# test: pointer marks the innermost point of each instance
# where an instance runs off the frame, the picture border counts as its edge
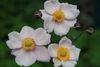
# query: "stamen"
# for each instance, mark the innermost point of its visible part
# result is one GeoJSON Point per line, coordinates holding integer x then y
{"type": "Point", "coordinates": [28, 44]}
{"type": "Point", "coordinates": [63, 54]}
{"type": "Point", "coordinates": [58, 16]}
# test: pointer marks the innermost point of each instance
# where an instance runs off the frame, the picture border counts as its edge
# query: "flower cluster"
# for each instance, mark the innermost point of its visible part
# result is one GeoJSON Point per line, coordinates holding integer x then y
{"type": "Point", "coordinates": [28, 46]}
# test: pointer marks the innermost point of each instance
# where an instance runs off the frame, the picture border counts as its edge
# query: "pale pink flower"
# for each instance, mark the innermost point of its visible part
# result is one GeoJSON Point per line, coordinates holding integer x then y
{"type": "Point", "coordinates": [28, 47]}
{"type": "Point", "coordinates": [59, 17]}
{"type": "Point", "coordinates": [64, 54]}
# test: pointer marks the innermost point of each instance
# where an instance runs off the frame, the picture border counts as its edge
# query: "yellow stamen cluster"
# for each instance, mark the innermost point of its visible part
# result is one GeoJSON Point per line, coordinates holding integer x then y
{"type": "Point", "coordinates": [63, 54]}
{"type": "Point", "coordinates": [28, 44]}
{"type": "Point", "coordinates": [58, 16]}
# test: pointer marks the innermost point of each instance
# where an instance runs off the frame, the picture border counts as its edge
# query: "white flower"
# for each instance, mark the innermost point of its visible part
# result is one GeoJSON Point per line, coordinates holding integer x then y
{"type": "Point", "coordinates": [28, 45]}
{"type": "Point", "coordinates": [64, 54]}
{"type": "Point", "coordinates": [59, 16]}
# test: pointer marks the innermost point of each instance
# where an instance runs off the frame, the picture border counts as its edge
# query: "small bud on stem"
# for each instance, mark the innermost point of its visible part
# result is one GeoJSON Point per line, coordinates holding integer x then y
{"type": "Point", "coordinates": [77, 26]}
{"type": "Point", "coordinates": [38, 14]}
{"type": "Point", "coordinates": [90, 30]}
{"type": "Point", "coordinates": [73, 37]}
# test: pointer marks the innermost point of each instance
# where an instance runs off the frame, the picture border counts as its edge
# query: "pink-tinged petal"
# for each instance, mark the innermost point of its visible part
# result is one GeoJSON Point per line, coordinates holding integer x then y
{"type": "Point", "coordinates": [45, 40]}
{"type": "Point", "coordinates": [27, 31]}
{"type": "Point", "coordinates": [69, 63]}
{"type": "Point", "coordinates": [50, 6]}
{"type": "Point", "coordinates": [71, 14]}
{"type": "Point", "coordinates": [62, 5]}
{"type": "Point", "coordinates": [61, 29]}
{"type": "Point", "coordinates": [13, 44]}
{"type": "Point", "coordinates": [44, 15]}
{"type": "Point", "coordinates": [73, 6]}
{"type": "Point", "coordinates": [65, 42]}
{"type": "Point", "coordinates": [49, 24]}
{"type": "Point", "coordinates": [52, 49]}
{"type": "Point", "coordinates": [39, 34]}
{"type": "Point", "coordinates": [74, 53]}
{"type": "Point", "coordinates": [15, 36]}
{"type": "Point", "coordinates": [70, 23]}
{"type": "Point", "coordinates": [56, 62]}
{"type": "Point", "coordinates": [15, 52]}
{"type": "Point", "coordinates": [54, 1]}
{"type": "Point", "coordinates": [67, 6]}
{"type": "Point", "coordinates": [25, 58]}
{"type": "Point", "coordinates": [41, 54]}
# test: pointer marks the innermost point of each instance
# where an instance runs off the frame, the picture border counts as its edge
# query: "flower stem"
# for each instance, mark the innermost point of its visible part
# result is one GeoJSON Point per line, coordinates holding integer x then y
{"type": "Point", "coordinates": [78, 36]}
{"type": "Point", "coordinates": [69, 31]}
{"type": "Point", "coordinates": [41, 21]}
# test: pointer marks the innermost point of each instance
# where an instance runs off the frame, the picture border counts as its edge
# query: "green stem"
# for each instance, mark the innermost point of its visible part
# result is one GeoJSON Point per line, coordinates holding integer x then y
{"type": "Point", "coordinates": [78, 36]}
{"type": "Point", "coordinates": [69, 31]}
{"type": "Point", "coordinates": [41, 21]}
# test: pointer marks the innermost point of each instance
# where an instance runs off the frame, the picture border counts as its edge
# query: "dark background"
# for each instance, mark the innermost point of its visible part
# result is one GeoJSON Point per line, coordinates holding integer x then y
{"type": "Point", "coordinates": [14, 14]}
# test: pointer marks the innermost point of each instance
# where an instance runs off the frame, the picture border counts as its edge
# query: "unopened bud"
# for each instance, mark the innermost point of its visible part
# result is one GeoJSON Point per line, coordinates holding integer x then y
{"type": "Point", "coordinates": [38, 14]}
{"type": "Point", "coordinates": [77, 26]}
{"type": "Point", "coordinates": [90, 30]}
{"type": "Point", "coordinates": [73, 37]}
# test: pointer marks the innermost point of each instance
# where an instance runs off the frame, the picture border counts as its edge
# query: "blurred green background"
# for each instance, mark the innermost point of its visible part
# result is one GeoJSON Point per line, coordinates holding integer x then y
{"type": "Point", "coordinates": [14, 14]}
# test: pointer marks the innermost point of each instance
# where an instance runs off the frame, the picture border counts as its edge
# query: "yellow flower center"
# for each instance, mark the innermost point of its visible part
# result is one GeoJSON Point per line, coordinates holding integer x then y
{"type": "Point", "coordinates": [28, 44]}
{"type": "Point", "coordinates": [58, 16]}
{"type": "Point", "coordinates": [63, 54]}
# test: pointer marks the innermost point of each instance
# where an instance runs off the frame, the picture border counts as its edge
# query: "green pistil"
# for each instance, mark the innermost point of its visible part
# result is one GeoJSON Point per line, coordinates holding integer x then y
{"type": "Point", "coordinates": [28, 43]}
{"type": "Point", "coordinates": [58, 15]}
{"type": "Point", "coordinates": [63, 53]}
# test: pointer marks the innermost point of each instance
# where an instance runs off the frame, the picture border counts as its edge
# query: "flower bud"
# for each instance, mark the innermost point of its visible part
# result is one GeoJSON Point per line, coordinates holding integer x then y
{"type": "Point", "coordinates": [90, 30]}
{"type": "Point", "coordinates": [73, 37]}
{"type": "Point", "coordinates": [77, 26]}
{"type": "Point", "coordinates": [38, 14]}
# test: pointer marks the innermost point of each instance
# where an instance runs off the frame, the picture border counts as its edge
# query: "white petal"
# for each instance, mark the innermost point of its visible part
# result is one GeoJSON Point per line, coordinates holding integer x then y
{"type": "Point", "coordinates": [15, 36]}
{"type": "Point", "coordinates": [56, 62]}
{"type": "Point", "coordinates": [13, 44]}
{"type": "Point", "coordinates": [73, 6]}
{"type": "Point", "coordinates": [39, 34]}
{"type": "Point", "coordinates": [65, 42]}
{"type": "Point", "coordinates": [69, 63]}
{"type": "Point", "coordinates": [70, 23]}
{"type": "Point", "coordinates": [44, 15]}
{"type": "Point", "coordinates": [63, 5]}
{"type": "Point", "coordinates": [49, 24]}
{"type": "Point", "coordinates": [54, 1]}
{"type": "Point", "coordinates": [50, 6]}
{"type": "Point", "coordinates": [27, 31]}
{"type": "Point", "coordinates": [41, 54]}
{"type": "Point", "coordinates": [68, 6]}
{"type": "Point", "coordinates": [15, 52]}
{"type": "Point", "coordinates": [61, 29]}
{"type": "Point", "coordinates": [45, 40]}
{"type": "Point", "coordinates": [70, 13]}
{"type": "Point", "coordinates": [52, 49]}
{"type": "Point", "coordinates": [74, 53]}
{"type": "Point", "coordinates": [25, 58]}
